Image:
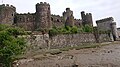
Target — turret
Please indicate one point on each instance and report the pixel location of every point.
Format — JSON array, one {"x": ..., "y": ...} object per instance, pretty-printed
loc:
[
  {"x": 114, "y": 30},
  {"x": 43, "y": 16},
  {"x": 83, "y": 16},
  {"x": 68, "y": 17},
  {"x": 89, "y": 19},
  {"x": 7, "y": 13},
  {"x": 86, "y": 18}
]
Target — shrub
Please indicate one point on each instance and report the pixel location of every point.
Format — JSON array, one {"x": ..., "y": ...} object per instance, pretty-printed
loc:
[
  {"x": 53, "y": 32},
  {"x": 10, "y": 44},
  {"x": 74, "y": 29},
  {"x": 70, "y": 30},
  {"x": 87, "y": 28}
]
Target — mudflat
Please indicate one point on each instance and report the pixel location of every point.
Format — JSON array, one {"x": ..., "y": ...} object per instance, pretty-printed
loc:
[{"x": 105, "y": 56}]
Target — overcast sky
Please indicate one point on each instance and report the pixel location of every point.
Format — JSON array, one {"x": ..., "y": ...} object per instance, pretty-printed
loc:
[{"x": 99, "y": 8}]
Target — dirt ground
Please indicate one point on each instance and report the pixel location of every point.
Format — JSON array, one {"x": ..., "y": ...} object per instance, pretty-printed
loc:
[{"x": 106, "y": 56}]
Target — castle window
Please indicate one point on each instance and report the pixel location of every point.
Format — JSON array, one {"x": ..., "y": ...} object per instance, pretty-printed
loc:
[
  {"x": 20, "y": 19},
  {"x": 48, "y": 8},
  {"x": 12, "y": 14},
  {"x": 51, "y": 18},
  {"x": 58, "y": 20}
]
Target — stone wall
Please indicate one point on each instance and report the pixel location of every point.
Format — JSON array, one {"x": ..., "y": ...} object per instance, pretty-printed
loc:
[
  {"x": 36, "y": 42},
  {"x": 61, "y": 41},
  {"x": 105, "y": 37},
  {"x": 25, "y": 21},
  {"x": 57, "y": 21}
]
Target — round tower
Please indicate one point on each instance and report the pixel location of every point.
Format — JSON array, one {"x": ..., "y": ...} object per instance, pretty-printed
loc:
[
  {"x": 83, "y": 16},
  {"x": 7, "y": 13},
  {"x": 43, "y": 16}
]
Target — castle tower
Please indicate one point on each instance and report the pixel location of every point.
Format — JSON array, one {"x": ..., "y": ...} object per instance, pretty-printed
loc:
[
  {"x": 89, "y": 19},
  {"x": 7, "y": 13},
  {"x": 104, "y": 24},
  {"x": 68, "y": 17},
  {"x": 84, "y": 21},
  {"x": 108, "y": 24},
  {"x": 114, "y": 30},
  {"x": 86, "y": 18},
  {"x": 43, "y": 16}
]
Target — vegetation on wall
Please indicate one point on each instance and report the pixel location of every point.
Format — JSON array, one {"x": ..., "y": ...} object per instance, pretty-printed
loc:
[
  {"x": 70, "y": 30},
  {"x": 87, "y": 28},
  {"x": 11, "y": 44}
]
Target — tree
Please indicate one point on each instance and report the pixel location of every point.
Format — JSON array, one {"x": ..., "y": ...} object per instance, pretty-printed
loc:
[{"x": 10, "y": 44}]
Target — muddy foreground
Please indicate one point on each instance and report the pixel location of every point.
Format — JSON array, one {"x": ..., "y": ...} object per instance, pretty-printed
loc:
[{"x": 105, "y": 56}]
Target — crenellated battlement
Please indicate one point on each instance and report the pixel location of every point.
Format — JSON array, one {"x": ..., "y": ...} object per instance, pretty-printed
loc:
[
  {"x": 105, "y": 19},
  {"x": 77, "y": 19},
  {"x": 43, "y": 4},
  {"x": 88, "y": 14},
  {"x": 25, "y": 13},
  {"x": 55, "y": 15},
  {"x": 7, "y": 6}
]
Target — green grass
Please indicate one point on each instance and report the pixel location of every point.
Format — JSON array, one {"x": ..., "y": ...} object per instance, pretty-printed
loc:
[
  {"x": 66, "y": 48},
  {"x": 54, "y": 51},
  {"x": 83, "y": 46},
  {"x": 87, "y": 46}
]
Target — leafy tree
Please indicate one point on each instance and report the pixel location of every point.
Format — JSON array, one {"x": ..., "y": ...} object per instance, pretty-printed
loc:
[{"x": 10, "y": 44}]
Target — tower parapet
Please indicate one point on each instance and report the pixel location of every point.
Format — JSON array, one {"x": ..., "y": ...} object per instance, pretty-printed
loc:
[
  {"x": 7, "y": 13},
  {"x": 43, "y": 16},
  {"x": 105, "y": 19},
  {"x": 8, "y": 6}
]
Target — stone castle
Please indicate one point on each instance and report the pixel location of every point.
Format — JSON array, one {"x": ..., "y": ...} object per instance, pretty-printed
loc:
[{"x": 43, "y": 19}]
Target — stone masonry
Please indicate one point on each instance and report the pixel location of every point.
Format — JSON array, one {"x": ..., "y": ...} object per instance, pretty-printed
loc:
[
  {"x": 86, "y": 18},
  {"x": 36, "y": 42},
  {"x": 68, "y": 17},
  {"x": 7, "y": 14},
  {"x": 41, "y": 19},
  {"x": 107, "y": 24}
]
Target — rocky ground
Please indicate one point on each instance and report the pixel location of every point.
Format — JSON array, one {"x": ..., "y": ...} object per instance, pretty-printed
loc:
[{"x": 105, "y": 56}]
